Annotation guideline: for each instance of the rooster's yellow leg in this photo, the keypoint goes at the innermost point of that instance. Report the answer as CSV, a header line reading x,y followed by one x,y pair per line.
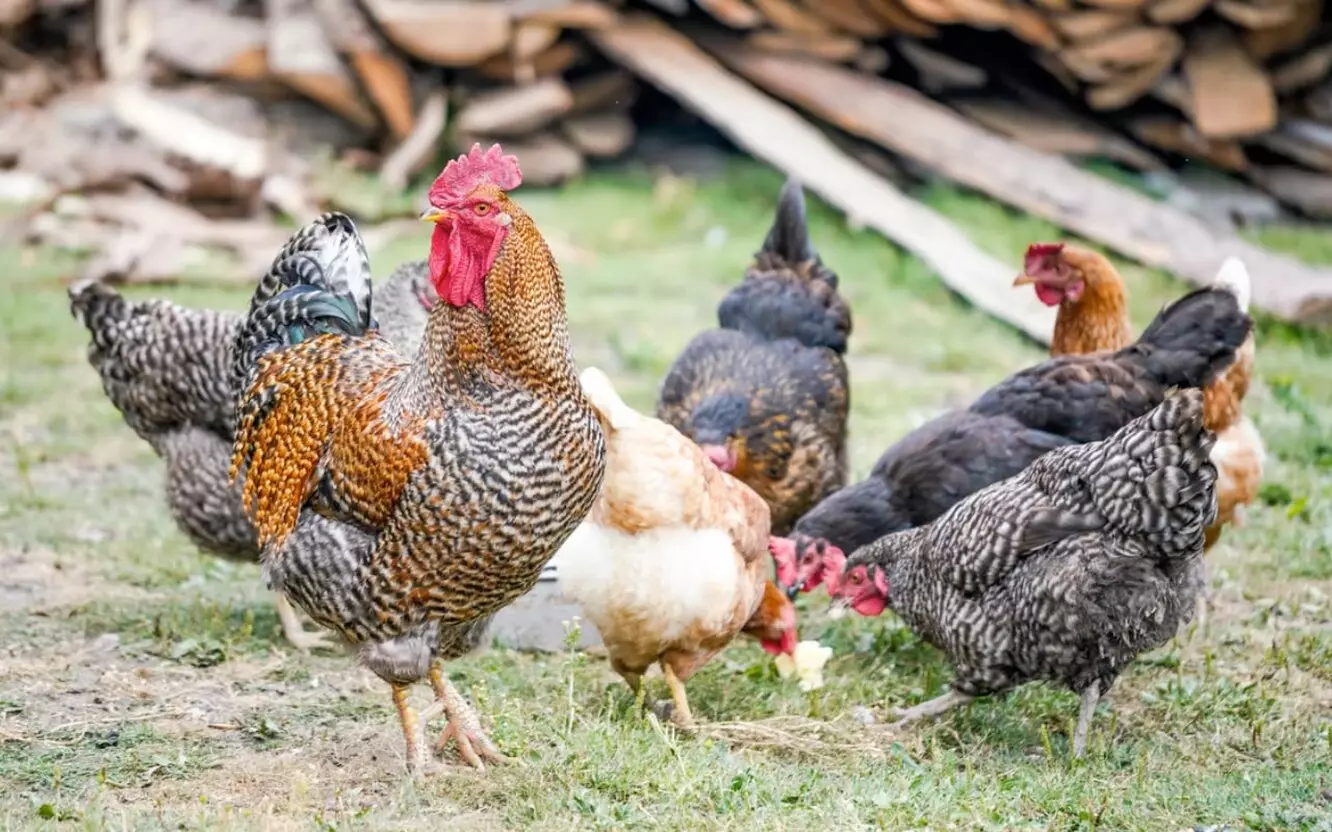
x,y
411,730
463,727
682,714
295,632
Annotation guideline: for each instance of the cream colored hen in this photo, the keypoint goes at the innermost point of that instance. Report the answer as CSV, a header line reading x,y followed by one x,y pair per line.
x,y
672,562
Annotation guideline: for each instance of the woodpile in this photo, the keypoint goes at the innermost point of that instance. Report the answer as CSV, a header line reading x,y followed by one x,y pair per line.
x,y
120,114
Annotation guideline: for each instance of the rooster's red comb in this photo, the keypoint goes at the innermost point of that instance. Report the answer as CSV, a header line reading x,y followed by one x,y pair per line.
x,y
465,174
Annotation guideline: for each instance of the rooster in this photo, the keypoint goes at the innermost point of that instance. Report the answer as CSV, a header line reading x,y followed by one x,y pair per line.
x,y
1066,572
1093,316
167,369
1073,399
672,562
450,478
766,395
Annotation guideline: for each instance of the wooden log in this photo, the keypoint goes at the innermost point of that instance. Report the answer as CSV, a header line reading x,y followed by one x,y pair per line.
x,y
1265,43
1182,138
1303,71
570,14
1255,16
1173,12
515,111
849,16
611,89
553,61
416,150
454,33
938,71
1306,142
383,75
601,135
840,48
737,14
984,14
786,15
1030,26
1054,129
1091,24
206,41
1232,96
1135,225
547,159
1127,48
777,134
899,18
301,56
1311,193
933,11
1127,87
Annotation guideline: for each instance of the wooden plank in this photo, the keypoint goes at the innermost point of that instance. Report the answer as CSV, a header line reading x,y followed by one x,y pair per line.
x,y
1232,96
1128,222
778,135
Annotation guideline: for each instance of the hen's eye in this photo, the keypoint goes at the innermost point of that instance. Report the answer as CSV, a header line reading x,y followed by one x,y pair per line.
x,y
482,208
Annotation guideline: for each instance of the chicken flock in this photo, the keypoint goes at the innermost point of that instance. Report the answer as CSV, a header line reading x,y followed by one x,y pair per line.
x,y
406,460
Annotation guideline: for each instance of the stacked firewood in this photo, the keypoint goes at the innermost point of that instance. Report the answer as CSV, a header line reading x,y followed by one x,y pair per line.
x,y
221,102
1241,84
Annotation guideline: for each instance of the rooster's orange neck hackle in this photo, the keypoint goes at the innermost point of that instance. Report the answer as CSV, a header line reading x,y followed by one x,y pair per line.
x,y
501,294
1093,311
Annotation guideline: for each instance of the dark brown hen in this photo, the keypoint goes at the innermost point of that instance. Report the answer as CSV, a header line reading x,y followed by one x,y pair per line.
x,y
1066,572
168,369
766,395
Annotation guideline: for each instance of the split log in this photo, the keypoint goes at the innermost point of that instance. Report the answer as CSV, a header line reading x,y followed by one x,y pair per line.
x,y
776,133
382,73
600,135
453,33
1232,97
514,111
1158,235
301,56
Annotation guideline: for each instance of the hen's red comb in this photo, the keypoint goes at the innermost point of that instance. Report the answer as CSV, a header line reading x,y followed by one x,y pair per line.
x,y
1037,252
465,174
1043,249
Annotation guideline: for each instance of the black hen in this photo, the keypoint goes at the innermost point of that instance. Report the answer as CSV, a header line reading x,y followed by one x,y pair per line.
x,y
765,395
1071,399
1066,572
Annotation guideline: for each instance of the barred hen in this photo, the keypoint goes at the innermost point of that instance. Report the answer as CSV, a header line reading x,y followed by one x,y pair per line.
x,y
672,562
766,395
1065,573
1093,316
1073,399
167,369
451,477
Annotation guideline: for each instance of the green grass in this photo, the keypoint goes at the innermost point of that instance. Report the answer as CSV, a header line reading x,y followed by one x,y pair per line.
x,y
145,686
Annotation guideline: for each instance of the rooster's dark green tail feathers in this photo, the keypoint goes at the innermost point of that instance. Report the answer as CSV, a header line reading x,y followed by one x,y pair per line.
x,y
318,283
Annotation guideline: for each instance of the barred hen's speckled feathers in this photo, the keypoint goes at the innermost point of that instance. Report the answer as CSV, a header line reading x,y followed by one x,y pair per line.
x,y
922,475
452,477
1069,570
1087,397
167,368
771,386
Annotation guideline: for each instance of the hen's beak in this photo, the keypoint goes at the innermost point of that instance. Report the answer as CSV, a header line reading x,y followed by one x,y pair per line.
x,y
1023,280
792,591
433,214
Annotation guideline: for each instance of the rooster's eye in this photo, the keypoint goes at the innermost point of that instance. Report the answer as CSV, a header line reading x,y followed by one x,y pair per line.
x,y
482,208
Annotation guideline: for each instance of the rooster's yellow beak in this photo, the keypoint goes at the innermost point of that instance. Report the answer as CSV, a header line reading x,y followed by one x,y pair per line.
x,y
433,214
1023,280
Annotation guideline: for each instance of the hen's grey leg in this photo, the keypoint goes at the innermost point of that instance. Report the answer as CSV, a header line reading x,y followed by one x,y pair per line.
x,y
932,708
463,726
294,631
1090,696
